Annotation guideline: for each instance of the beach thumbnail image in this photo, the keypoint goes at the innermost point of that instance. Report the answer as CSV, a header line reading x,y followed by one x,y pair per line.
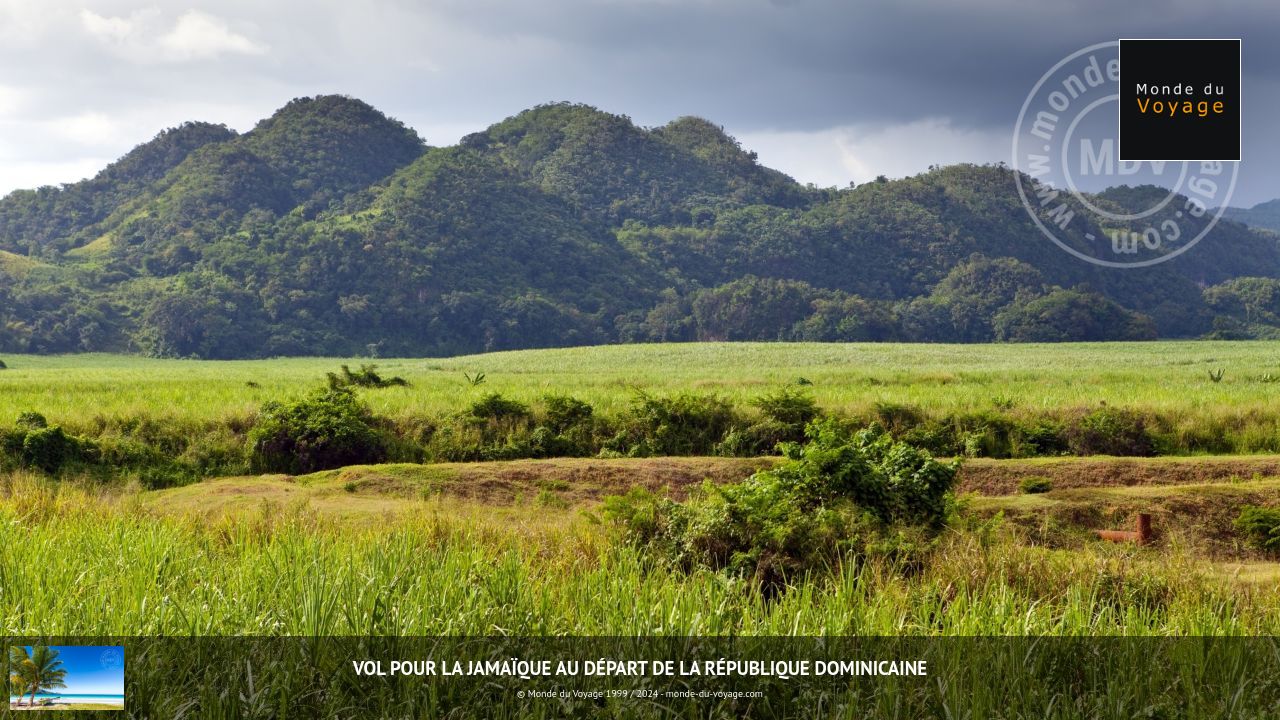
x,y
66,677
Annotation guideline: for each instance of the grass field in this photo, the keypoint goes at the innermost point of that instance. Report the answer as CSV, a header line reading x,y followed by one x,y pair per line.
x,y
252,556
1171,377
519,547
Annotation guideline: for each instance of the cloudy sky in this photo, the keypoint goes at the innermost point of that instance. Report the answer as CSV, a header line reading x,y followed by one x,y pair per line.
x,y
827,90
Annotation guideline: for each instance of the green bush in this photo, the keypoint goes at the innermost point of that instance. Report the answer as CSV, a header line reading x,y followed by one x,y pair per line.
x,y
34,443
684,424
565,413
495,407
11,446
1035,484
495,428
898,417
1260,527
788,406
143,458
840,492
575,429
1043,436
541,442
761,438
50,448
785,415
936,436
985,434
32,420
1109,431
327,429
366,377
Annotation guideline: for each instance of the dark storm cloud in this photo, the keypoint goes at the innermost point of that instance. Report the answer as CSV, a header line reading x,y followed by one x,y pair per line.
x,y
88,79
810,65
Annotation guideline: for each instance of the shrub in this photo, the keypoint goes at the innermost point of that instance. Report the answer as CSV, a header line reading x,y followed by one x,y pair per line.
x,y
785,415
32,420
49,448
760,438
984,434
1035,484
840,492
544,442
34,443
328,429
458,441
492,428
1043,436
366,376
495,407
1109,431
11,446
936,436
495,428
570,429
565,413
684,424
898,417
1260,527
788,406
132,457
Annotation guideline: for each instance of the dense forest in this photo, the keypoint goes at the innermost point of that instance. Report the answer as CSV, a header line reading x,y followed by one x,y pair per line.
x,y
331,229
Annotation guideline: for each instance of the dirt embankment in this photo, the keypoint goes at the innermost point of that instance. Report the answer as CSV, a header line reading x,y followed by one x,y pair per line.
x,y
585,481
588,479
1001,477
576,480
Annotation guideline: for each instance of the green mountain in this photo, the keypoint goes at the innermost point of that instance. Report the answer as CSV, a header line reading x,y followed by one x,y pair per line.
x,y
31,220
1263,215
331,229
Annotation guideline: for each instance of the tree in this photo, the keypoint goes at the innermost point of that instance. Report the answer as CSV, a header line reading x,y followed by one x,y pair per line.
x,y
975,290
35,671
1071,316
753,309
19,675
1252,300
324,430
329,228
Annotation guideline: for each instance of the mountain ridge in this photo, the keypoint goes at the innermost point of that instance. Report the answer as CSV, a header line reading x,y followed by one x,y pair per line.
x,y
330,228
1264,215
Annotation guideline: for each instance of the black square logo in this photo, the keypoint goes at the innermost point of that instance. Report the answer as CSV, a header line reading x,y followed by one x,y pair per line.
x,y
1179,100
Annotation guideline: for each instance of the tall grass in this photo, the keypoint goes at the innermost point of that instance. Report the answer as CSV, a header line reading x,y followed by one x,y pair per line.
x,y
1165,376
198,411
74,561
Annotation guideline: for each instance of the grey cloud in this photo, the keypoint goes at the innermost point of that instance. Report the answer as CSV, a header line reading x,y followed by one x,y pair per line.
x,y
755,66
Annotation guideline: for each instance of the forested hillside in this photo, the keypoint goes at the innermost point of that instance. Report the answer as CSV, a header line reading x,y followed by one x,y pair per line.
x,y
331,229
1263,215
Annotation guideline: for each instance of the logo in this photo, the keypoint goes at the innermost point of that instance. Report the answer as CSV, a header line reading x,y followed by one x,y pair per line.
x,y
1180,99
1098,208
111,658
